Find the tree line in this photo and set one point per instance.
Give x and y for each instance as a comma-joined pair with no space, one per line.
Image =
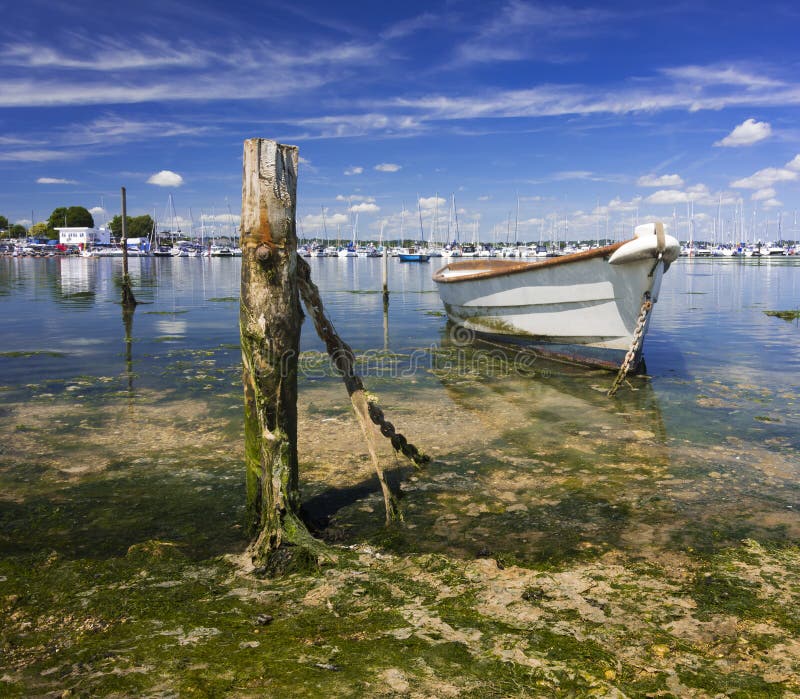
76,217
62,217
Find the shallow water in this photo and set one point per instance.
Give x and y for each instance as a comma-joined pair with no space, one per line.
655,534
105,434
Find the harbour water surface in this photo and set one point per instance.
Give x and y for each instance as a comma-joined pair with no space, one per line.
117,432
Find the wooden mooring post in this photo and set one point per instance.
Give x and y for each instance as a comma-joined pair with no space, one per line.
269,322
385,277
128,299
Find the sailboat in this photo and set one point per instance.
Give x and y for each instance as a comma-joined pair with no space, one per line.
413,253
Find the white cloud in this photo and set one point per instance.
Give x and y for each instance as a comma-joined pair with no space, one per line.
660,181
669,196
518,30
317,221
794,163
407,27
353,171
97,211
618,204
226,218
431,203
114,129
36,156
349,125
365,208
484,197
353,197
155,69
722,75
106,54
763,194
698,193
574,175
165,178
14,141
55,180
766,178
388,167
771,204
747,133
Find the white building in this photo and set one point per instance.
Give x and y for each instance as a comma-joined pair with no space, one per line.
84,236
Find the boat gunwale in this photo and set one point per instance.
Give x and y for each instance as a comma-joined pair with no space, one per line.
504,267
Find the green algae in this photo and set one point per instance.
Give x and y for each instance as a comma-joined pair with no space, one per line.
784,315
547,560
33,353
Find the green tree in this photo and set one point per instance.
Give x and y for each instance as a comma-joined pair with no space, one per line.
72,217
138,226
17,230
3,223
39,230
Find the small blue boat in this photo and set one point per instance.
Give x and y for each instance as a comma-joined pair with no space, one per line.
411,255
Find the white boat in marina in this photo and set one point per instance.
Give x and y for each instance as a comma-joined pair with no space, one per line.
775,249
583,306
221,251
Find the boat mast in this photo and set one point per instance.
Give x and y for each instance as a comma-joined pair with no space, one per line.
421,231
233,225
435,227
455,215
449,223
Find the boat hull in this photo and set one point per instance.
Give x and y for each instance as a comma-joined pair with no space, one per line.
581,307
413,257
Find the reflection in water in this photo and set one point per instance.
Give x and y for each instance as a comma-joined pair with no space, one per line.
172,327
127,322
76,281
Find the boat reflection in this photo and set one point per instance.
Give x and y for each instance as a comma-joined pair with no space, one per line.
535,401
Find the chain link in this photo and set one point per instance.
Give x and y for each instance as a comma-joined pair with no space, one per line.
344,360
638,336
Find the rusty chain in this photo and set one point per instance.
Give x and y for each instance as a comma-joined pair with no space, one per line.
344,360
638,335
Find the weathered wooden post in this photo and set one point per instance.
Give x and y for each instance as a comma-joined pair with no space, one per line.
128,299
385,275
269,324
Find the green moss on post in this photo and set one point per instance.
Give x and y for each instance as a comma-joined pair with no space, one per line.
269,324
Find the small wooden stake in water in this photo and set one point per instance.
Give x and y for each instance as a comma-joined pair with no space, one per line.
385,277
128,299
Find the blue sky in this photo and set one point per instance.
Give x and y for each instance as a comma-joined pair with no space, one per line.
592,116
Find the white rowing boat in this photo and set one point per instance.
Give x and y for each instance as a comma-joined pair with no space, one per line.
584,306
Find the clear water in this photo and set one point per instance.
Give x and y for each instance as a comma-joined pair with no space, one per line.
102,420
